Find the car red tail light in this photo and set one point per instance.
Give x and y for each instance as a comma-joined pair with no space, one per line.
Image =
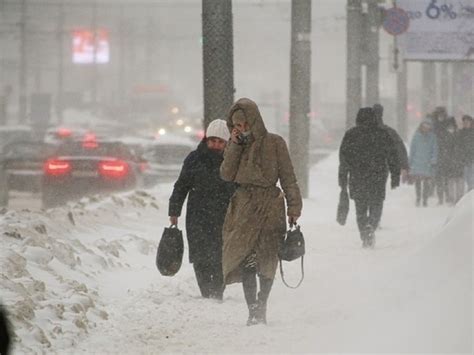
115,169
89,141
64,132
56,167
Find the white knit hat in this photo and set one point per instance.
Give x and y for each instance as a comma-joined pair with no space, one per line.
218,128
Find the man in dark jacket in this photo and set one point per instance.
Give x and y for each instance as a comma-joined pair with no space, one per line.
365,153
208,198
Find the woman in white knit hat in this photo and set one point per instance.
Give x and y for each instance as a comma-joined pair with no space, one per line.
208,198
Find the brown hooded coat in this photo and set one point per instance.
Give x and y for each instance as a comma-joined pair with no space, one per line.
255,219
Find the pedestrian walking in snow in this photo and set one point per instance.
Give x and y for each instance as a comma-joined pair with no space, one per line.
366,152
423,160
441,120
255,222
208,199
465,148
399,144
454,171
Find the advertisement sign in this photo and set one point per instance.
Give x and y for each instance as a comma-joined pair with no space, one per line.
439,30
84,49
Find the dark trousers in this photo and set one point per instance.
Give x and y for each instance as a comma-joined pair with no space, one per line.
249,283
422,189
210,280
442,189
369,212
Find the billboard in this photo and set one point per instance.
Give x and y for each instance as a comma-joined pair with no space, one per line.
86,46
439,30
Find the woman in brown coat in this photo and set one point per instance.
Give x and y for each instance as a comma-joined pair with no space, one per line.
255,221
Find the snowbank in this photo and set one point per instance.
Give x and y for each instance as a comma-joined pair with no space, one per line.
50,261
421,304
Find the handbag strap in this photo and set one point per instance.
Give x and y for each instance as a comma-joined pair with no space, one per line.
302,274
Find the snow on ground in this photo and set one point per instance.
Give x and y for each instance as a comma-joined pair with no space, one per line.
50,262
88,284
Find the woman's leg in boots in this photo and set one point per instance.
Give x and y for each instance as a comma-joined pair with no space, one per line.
249,283
265,288
216,284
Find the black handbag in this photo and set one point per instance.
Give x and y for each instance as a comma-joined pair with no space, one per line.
343,207
292,247
169,256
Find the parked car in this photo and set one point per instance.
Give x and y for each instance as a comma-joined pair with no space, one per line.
165,158
89,166
22,165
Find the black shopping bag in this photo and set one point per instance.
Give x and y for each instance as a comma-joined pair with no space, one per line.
343,207
292,247
169,256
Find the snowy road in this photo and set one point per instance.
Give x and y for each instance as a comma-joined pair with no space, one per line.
86,283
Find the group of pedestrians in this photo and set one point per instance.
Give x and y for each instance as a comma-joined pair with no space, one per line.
235,217
442,158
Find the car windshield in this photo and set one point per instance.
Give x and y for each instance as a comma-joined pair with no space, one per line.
95,149
168,154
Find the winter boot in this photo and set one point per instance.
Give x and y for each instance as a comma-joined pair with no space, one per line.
265,288
253,310
364,237
370,236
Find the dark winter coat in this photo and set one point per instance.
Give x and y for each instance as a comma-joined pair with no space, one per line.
208,199
399,145
445,145
449,164
423,154
365,155
398,141
465,146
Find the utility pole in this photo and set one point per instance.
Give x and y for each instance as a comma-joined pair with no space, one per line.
402,100
60,77
372,57
218,62
353,54
300,89
23,68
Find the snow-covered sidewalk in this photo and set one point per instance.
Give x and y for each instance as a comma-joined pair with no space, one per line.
413,293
